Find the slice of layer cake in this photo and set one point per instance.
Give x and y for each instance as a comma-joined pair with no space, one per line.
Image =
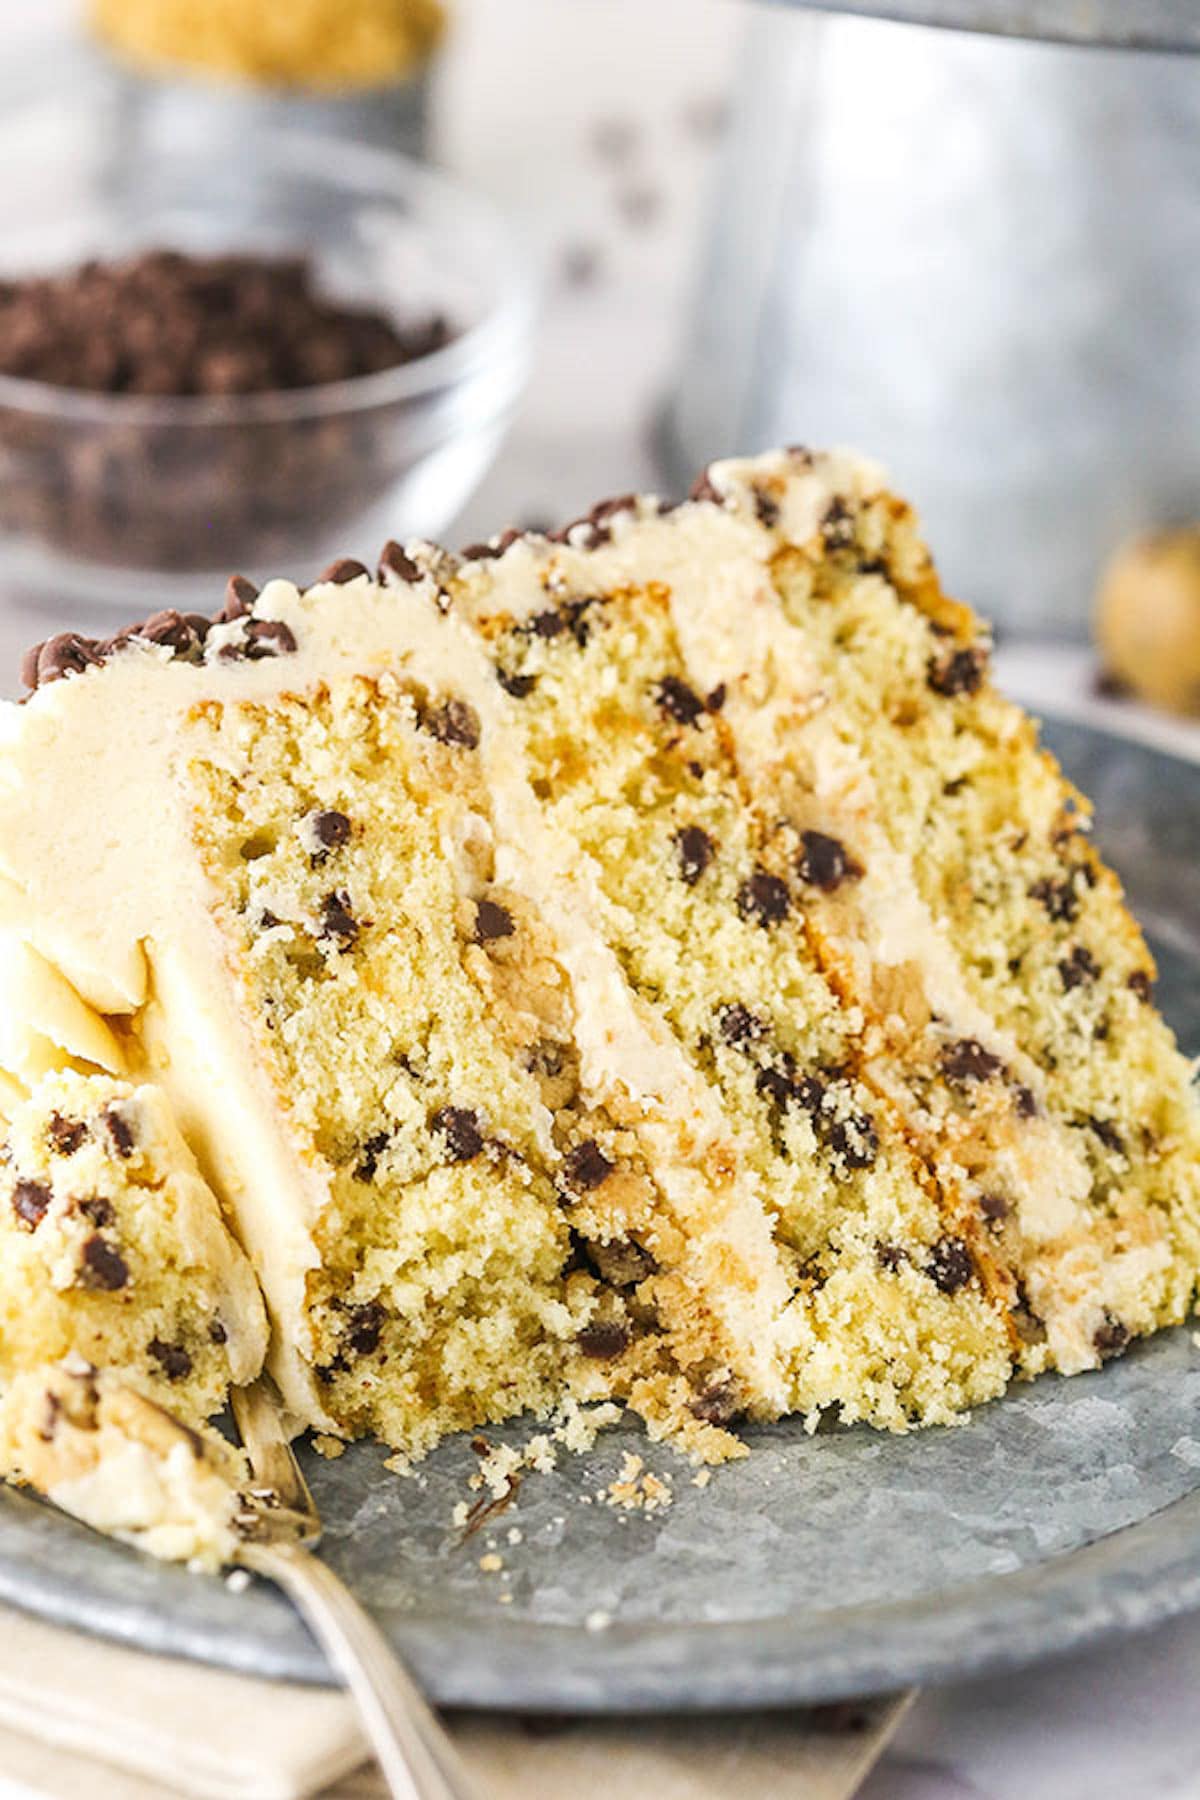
126,1313
648,962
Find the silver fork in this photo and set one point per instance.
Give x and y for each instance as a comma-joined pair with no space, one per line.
279,1527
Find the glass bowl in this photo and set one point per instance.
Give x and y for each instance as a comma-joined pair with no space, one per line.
145,502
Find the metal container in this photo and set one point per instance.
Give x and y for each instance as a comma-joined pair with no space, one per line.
976,259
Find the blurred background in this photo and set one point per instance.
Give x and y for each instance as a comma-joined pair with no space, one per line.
278,282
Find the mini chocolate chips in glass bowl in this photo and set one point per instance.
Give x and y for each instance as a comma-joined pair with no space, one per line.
255,375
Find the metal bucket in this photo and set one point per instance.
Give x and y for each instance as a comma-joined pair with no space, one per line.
977,259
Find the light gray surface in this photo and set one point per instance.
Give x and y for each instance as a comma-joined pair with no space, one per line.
842,1563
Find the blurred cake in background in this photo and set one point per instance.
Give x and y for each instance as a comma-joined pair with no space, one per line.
1148,620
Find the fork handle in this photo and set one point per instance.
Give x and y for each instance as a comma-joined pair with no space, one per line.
413,1749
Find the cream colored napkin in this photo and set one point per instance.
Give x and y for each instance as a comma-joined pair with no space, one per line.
80,1717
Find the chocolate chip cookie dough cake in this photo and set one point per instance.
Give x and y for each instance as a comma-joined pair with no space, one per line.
648,962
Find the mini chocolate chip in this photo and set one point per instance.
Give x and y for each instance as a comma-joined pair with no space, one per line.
1025,1101
1078,968
66,654
717,1403
620,1262
716,700
65,1135
120,1133
703,489
738,1025
337,921
394,561
891,1257
1058,897
492,921
240,595
30,1200
950,1265
766,508
961,672
372,1150
548,624
837,524
763,898
519,686
492,548
967,1060
341,570
172,1359
454,722
460,1128
1111,1337
29,665
1108,1134
595,528
545,1058
678,700
604,1339
366,1327
96,1209
994,1207
1030,1328
777,1084
268,637
103,1266
217,1333
330,829
183,634
1141,983
825,863
809,1093
586,1166
577,622
695,850
855,1140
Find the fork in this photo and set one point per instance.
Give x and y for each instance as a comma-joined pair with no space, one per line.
279,1527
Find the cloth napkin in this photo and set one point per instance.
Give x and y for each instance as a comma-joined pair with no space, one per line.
82,1719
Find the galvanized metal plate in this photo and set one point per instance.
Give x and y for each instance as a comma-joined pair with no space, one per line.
820,1567
1146,25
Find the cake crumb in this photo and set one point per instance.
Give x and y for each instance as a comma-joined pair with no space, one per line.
460,1515
539,1455
237,1580
701,1478
329,1447
491,1564
598,1620
505,1598
578,1427
497,1469
636,1488
516,1535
